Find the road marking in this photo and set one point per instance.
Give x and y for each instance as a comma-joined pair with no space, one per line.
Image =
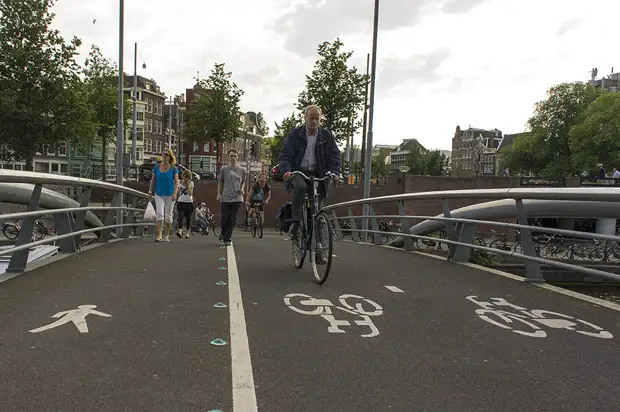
77,316
323,308
243,391
531,320
394,289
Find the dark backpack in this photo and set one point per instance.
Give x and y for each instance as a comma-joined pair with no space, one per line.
285,216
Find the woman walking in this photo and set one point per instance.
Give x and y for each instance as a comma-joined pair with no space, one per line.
185,203
164,186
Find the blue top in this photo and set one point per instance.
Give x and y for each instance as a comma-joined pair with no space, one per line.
164,181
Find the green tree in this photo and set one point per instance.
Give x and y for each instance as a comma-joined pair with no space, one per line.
263,129
416,160
337,89
43,102
546,150
597,138
100,79
215,114
436,163
275,143
379,167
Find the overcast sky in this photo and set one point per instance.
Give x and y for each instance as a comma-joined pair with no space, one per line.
440,64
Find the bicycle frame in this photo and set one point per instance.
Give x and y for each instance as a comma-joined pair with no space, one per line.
313,206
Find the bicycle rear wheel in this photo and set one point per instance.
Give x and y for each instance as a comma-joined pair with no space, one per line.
321,248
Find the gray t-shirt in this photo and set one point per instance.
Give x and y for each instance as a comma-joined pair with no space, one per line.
233,178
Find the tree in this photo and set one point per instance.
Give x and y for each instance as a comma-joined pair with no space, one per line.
43,102
597,138
337,89
546,149
436,163
378,166
275,143
100,79
215,114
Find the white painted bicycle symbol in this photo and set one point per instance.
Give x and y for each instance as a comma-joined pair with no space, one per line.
532,319
352,304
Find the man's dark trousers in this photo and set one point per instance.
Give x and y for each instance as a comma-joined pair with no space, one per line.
229,218
300,188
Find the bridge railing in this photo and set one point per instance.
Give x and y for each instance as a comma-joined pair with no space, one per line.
461,232
71,217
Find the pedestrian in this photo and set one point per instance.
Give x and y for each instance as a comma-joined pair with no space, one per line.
230,191
164,187
185,203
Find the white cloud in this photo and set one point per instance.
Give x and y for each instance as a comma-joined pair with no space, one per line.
440,64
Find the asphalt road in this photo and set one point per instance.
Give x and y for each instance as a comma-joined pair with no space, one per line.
425,347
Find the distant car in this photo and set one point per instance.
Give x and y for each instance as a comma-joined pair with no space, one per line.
207,176
276,175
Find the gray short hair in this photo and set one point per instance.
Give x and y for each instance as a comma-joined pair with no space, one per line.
313,106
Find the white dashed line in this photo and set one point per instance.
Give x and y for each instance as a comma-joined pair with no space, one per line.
394,289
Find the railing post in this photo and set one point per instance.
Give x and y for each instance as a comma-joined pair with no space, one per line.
109,220
336,225
375,226
451,232
127,229
532,269
409,243
467,234
354,232
80,217
64,225
19,259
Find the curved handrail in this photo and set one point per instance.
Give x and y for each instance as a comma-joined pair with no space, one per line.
560,193
13,176
466,237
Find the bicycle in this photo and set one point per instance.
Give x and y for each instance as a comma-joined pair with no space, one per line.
257,220
307,238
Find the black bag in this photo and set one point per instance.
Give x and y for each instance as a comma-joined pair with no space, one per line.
285,216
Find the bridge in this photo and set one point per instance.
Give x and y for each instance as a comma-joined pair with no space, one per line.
124,324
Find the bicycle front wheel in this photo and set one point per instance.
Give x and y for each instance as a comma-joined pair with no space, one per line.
260,226
321,248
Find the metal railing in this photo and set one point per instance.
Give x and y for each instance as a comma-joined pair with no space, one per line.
70,222
462,231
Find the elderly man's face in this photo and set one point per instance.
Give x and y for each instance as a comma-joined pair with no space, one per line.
313,118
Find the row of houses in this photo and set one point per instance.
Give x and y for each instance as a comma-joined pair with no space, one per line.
160,123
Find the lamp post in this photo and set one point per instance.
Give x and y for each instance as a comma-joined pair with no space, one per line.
368,158
120,127
134,129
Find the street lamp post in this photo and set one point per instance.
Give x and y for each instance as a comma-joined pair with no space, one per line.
134,128
368,158
120,127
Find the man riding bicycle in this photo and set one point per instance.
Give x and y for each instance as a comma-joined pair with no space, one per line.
258,195
312,150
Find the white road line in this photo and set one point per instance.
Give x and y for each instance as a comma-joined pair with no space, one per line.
243,391
394,289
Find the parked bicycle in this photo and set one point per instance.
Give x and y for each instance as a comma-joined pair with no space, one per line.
258,219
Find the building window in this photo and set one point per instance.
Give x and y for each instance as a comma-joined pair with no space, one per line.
150,125
140,116
195,148
150,105
62,149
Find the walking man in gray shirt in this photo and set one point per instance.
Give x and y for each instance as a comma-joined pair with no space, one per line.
230,191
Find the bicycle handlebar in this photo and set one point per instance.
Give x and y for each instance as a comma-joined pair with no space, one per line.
328,175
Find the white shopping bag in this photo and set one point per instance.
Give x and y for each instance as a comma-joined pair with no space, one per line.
149,213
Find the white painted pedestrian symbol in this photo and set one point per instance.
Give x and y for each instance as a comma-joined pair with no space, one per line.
77,316
322,308
530,320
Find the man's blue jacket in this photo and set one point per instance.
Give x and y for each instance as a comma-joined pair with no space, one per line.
326,151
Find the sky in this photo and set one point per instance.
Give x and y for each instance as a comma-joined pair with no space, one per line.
440,63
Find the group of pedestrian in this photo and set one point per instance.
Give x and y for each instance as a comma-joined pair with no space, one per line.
308,148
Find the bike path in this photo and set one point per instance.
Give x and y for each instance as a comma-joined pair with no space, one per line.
152,354
432,353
